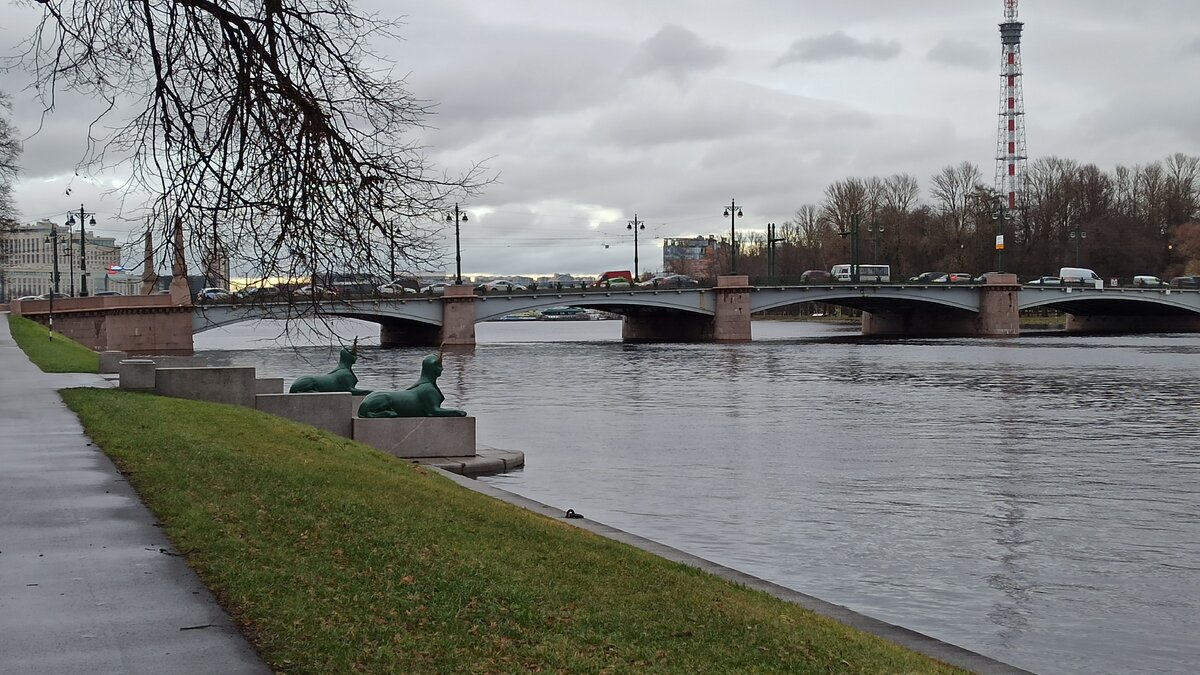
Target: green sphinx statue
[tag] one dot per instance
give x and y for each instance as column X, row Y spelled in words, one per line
column 423, row 399
column 341, row 378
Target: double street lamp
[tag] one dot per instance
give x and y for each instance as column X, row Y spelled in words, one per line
column 635, row 225
column 457, row 216
column 82, row 246
column 733, row 213
column 875, row 228
column 853, row 234
column 1078, row 235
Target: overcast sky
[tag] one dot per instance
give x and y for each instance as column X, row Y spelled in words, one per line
column 590, row 113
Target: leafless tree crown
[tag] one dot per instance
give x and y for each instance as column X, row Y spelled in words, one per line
column 269, row 126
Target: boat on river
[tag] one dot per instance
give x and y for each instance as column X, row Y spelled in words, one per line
column 566, row 314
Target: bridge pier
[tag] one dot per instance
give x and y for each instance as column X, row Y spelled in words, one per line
column 408, row 334
column 730, row 321
column 1097, row 323
column 457, row 329
column 458, row 316
column 998, row 316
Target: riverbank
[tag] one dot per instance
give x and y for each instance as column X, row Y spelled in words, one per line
column 332, row 557
column 336, row 558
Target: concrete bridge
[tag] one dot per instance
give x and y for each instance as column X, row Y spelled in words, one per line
column 722, row 313
column 160, row 325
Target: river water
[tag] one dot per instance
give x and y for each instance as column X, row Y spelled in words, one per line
column 1034, row 499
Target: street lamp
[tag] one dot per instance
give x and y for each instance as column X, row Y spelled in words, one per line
column 1078, row 235
column 853, row 234
column 54, row 242
column 457, row 216
column 635, row 225
column 82, row 246
column 733, row 213
column 875, row 228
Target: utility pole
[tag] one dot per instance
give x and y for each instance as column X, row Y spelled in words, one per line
column 772, row 259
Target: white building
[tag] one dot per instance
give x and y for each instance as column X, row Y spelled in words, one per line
column 27, row 261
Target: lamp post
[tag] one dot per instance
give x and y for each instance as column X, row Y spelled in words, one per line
column 875, row 228
column 733, row 213
column 457, row 216
column 853, row 234
column 54, row 242
column 1078, row 235
column 52, row 239
column 635, row 225
column 82, row 246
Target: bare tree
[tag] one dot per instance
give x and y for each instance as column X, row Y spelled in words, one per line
column 10, row 152
column 268, row 127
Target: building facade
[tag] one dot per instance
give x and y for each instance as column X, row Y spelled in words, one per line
column 29, row 255
column 697, row 257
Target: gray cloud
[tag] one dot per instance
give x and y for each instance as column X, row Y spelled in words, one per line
column 676, row 52
column 838, row 46
column 961, row 54
column 1194, row 46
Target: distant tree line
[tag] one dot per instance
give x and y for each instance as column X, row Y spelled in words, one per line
column 1133, row 220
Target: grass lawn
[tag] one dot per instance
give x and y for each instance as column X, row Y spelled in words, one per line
column 336, row 558
column 52, row 352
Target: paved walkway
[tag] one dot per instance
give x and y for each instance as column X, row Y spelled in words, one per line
column 88, row 582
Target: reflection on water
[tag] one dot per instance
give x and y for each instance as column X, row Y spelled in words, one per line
column 1033, row 499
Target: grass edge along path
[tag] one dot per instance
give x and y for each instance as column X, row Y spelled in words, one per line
column 52, row 352
column 334, row 557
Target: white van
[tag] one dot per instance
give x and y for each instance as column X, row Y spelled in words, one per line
column 1080, row 275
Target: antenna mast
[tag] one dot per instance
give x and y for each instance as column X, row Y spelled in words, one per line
column 1010, row 144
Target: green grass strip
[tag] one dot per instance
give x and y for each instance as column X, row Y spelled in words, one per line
column 336, row 558
column 52, row 352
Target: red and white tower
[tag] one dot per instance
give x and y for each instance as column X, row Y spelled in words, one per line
column 1010, row 144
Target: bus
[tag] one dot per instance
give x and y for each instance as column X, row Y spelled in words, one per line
column 871, row 273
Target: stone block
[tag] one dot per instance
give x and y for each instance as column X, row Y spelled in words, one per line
column 415, row 437
column 330, row 411
column 231, row 385
column 110, row 361
column 268, row 385
column 137, row 374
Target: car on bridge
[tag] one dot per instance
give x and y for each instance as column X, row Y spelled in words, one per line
column 1146, row 281
column 437, row 288
column 816, row 277
column 315, row 292
column 1185, row 282
column 926, row 277
column 257, row 293
column 395, row 288
column 213, row 294
column 955, row 278
column 668, row 281
column 1045, row 281
column 499, row 285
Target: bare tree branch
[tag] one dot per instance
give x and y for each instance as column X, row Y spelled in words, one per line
column 270, row 127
